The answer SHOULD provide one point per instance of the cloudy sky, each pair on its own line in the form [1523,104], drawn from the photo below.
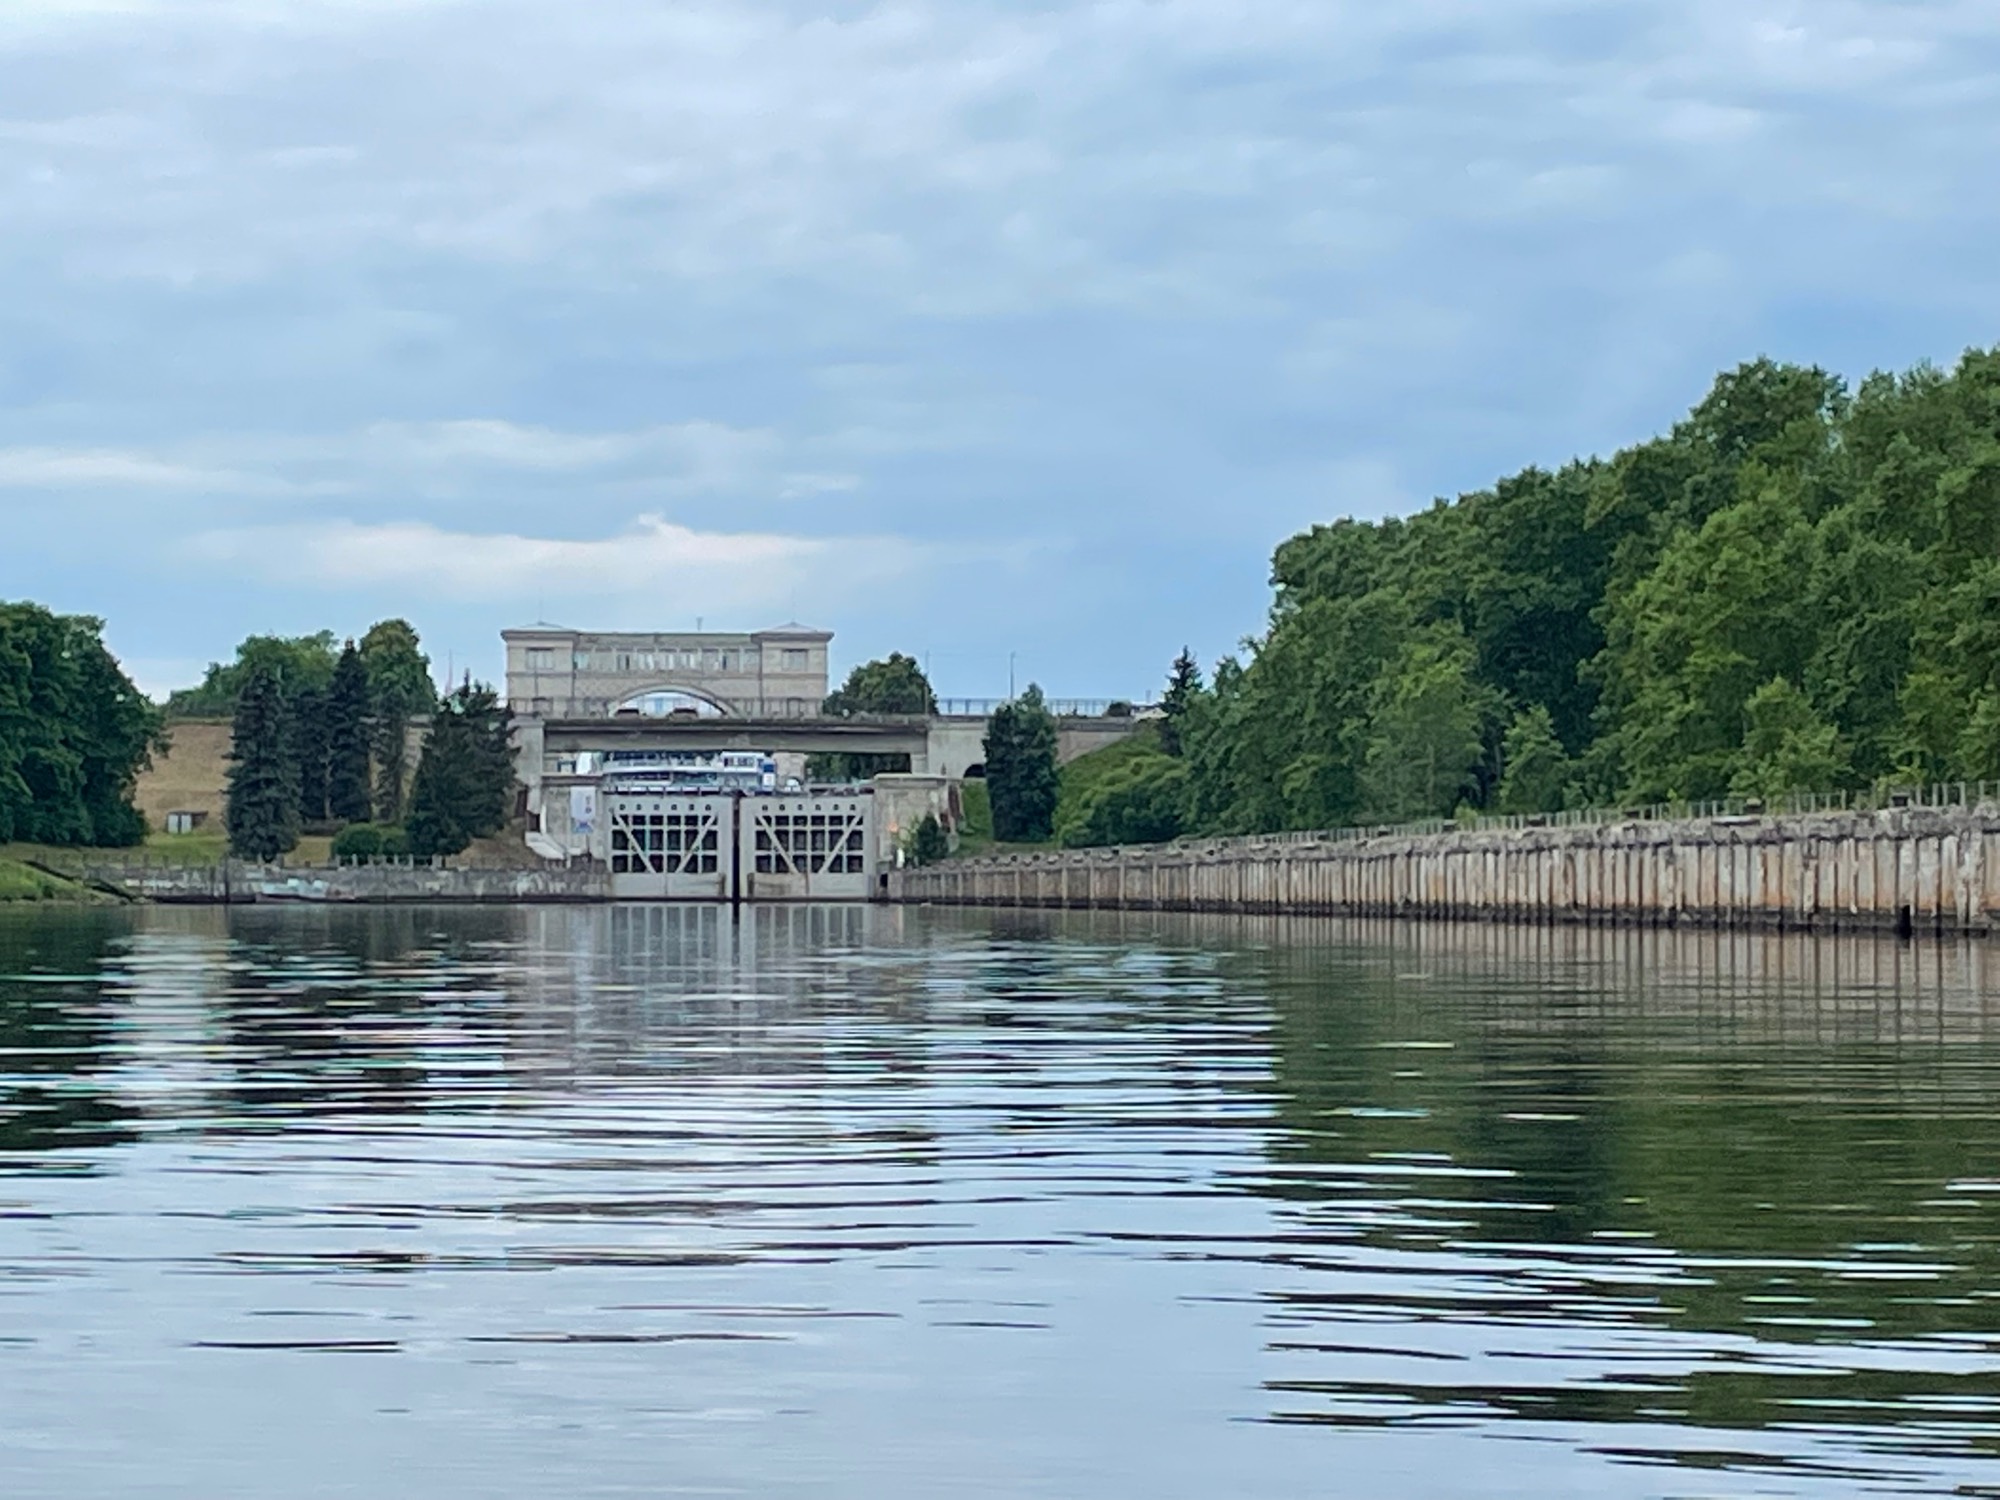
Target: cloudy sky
[958,327]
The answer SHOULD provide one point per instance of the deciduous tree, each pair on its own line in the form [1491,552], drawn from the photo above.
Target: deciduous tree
[894,685]
[74,732]
[1021,776]
[400,689]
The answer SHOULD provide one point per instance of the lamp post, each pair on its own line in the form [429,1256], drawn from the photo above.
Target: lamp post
[1010,676]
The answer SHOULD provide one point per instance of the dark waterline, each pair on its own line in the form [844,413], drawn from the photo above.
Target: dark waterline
[867,1202]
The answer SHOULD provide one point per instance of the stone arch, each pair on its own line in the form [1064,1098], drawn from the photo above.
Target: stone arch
[681,689]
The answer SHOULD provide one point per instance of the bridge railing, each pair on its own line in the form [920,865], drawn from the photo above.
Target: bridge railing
[1062,708]
[801,708]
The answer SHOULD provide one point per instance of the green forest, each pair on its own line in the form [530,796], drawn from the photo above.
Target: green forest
[74,732]
[1796,588]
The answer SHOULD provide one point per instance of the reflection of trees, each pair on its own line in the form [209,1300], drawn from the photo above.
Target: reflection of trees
[1735,1152]
[55,1033]
[1376,1065]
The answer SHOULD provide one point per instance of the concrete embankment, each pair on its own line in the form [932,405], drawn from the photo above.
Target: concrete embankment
[236,884]
[1905,869]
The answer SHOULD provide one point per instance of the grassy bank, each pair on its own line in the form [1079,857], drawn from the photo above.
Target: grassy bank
[21,882]
[1078,779]
[200,849]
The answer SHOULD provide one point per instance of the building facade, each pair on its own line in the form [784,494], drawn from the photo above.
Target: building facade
[554,673]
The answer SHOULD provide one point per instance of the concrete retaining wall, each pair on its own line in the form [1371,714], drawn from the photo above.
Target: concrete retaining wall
[238,884]
[1909,869]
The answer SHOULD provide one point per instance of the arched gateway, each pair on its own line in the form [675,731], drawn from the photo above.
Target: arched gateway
[554,673]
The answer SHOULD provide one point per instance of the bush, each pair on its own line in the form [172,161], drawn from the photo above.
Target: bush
[1142,802]
[928,843]
[360,842]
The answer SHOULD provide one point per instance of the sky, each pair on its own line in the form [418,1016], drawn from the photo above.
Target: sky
[999,334]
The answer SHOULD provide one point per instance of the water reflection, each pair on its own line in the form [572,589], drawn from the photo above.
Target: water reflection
[857,1201]
[55,1027]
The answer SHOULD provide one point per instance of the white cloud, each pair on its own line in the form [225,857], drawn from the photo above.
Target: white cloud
[682,567]
[439,459]
[99,468]
[685,457]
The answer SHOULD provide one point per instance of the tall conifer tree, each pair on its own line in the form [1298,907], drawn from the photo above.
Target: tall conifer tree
[465,779]
[309,741]
[348,790]
[263,811]
[1183,687]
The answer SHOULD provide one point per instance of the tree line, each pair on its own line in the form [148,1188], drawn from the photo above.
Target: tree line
[74,732]
[319,740]
[345,712]
[1796,588]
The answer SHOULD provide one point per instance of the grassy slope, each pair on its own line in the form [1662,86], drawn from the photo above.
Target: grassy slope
[1078,777]
[21,882]
[206,847]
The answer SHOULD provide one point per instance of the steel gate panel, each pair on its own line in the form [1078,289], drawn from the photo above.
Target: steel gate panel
[806,848]
[673,848]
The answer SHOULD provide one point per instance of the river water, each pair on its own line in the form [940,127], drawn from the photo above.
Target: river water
[879,1203]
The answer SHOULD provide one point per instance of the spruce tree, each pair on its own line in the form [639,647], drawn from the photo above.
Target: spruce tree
[348,792]
[263,809]
[493,781]
[1021,777]
[309,743]
[1183,687]
[465,779]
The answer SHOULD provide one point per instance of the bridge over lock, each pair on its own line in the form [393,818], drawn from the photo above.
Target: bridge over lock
[584,702]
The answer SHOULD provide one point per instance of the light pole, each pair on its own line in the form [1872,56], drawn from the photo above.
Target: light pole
[1010,676]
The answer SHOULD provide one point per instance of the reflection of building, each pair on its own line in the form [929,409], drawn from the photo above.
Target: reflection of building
[554,673]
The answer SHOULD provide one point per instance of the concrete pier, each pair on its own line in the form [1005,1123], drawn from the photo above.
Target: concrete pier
[1905,869]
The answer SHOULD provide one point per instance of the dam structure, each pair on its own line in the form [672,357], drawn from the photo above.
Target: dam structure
[610,727]
[1924,863]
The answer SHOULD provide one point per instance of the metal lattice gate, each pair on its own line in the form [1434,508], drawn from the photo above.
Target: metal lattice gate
[670,848]
[806,848]
[727,847]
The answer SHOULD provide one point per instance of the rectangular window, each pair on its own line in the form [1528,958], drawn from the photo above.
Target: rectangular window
[541,659]
[793,658]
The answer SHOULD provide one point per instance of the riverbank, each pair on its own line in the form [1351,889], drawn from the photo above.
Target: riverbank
[26,881]
[19,882]
[234,883]
[1900,869]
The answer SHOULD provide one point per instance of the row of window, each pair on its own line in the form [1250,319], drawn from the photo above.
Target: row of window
[687,659]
